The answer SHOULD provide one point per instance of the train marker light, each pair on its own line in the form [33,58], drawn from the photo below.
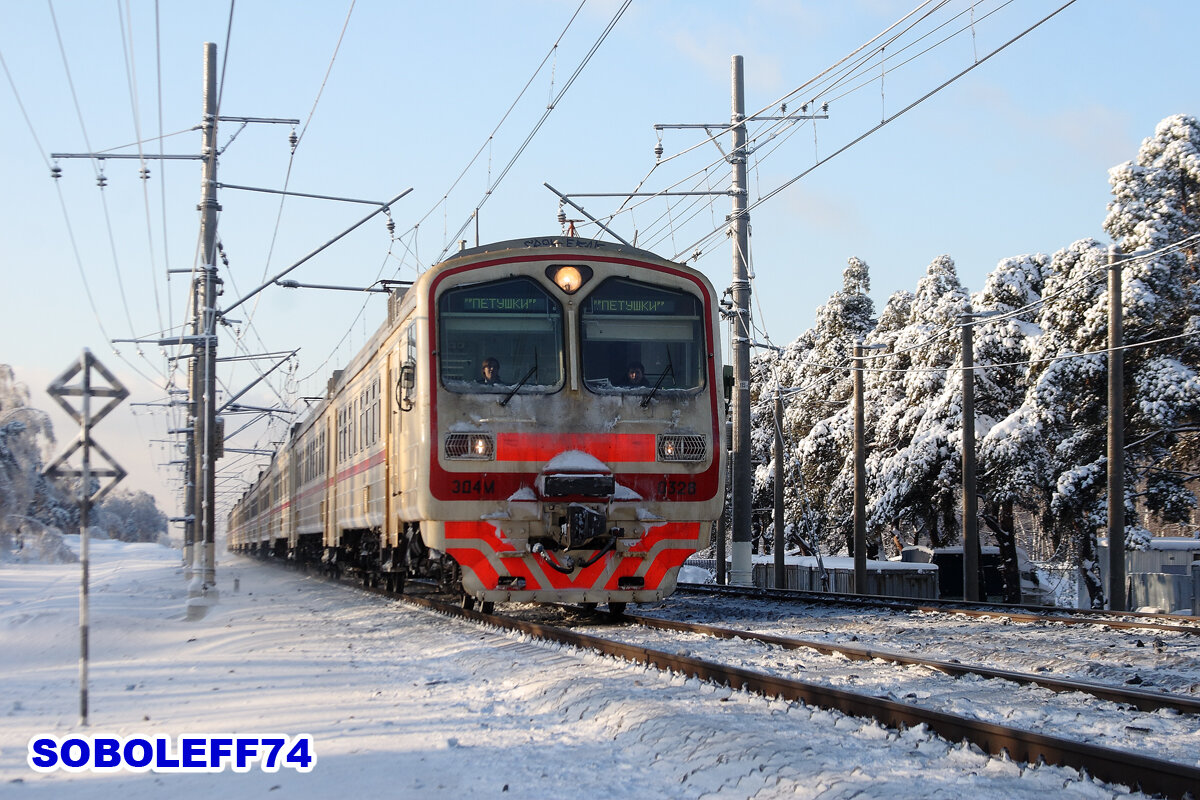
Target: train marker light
[681,447]
[472,446]
[568,277]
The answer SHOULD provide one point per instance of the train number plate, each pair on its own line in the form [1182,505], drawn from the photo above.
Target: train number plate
[473,488]
[670,489]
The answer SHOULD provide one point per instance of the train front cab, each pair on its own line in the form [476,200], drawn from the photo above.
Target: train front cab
[569,478]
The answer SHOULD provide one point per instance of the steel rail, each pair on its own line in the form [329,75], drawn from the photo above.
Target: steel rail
[1141,699]
[1150,775]
[1080,616]
[1136,771]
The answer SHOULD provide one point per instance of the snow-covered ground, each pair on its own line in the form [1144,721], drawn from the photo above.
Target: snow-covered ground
[404,703]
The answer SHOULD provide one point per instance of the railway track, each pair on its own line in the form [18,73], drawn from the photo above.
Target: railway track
[1143,700]
[1127,620]
[1154,776]
[1150,775]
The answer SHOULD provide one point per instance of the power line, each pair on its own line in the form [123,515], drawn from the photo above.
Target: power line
[538,126]
[100,180]
[131,81]
[295,143]
[488,142]
[883,123]
[915,103]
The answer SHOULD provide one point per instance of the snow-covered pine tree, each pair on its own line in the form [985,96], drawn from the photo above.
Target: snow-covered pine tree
[1156,207]
[1002,346]
[884,404]
[823,420]
[131,516]
[815,368]
[26,437]
[1050,451]
[918,481]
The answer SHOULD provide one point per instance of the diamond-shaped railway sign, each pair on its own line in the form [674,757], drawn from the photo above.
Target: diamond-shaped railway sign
[114,393]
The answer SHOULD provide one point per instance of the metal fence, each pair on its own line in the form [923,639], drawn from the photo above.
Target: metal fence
[1168,591]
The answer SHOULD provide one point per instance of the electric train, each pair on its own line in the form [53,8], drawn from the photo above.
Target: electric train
[538,420]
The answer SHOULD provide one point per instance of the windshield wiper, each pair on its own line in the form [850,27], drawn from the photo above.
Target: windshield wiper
[670,370]
[523,381]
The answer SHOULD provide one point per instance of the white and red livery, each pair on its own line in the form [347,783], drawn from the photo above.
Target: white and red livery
[537,420]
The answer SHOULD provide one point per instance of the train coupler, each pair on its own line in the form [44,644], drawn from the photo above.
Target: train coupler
[583,525]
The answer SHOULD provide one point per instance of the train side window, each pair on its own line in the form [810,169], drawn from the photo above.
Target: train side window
[637,336]
[514,322]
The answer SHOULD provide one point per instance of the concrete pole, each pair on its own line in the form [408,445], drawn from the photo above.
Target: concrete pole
[721,530]
[1116,438]
[860,476]
[205,350]
[970,501]
[189,477]
[741,573]
[780,567]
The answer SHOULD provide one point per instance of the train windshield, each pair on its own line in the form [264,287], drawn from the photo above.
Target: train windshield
[500,338]
[637,337]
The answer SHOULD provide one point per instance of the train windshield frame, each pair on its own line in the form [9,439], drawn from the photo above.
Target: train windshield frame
[636,336]
[514,322]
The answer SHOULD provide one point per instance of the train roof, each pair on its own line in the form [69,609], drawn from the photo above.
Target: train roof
[566,243]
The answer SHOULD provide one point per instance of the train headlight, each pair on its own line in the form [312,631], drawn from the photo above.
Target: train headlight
[688,447]
[471,446]
[569,277]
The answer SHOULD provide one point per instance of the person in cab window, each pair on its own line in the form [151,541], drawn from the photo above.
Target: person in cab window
[490,371]
[636,375]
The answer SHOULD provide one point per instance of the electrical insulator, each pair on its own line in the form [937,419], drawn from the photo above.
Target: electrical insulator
[145,173]
[658,150]
[562,216]
[804,108]
[293,139]
[56,172]
[783,109]
[101,181]
[825,108]
[391,228]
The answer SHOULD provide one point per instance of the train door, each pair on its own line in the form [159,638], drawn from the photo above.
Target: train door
[408,433]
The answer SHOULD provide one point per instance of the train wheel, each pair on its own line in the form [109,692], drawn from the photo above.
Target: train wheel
[487,607]
[588,606]
[616,609]
[468,602]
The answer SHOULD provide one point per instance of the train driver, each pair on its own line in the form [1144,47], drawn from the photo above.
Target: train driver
[636,375]
[490,371]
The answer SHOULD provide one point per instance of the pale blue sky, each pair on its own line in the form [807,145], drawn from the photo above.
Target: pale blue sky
[1011,159]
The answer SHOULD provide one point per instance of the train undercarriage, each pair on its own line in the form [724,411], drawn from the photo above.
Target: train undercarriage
[362,557]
